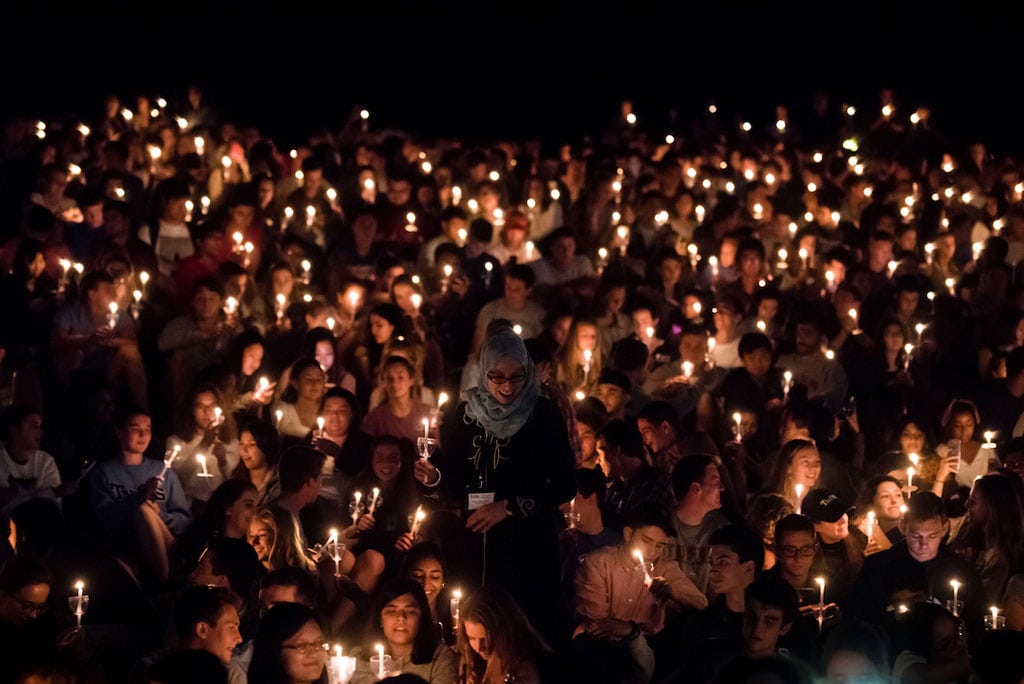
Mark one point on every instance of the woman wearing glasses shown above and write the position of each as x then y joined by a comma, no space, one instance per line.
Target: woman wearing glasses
290,647
507,461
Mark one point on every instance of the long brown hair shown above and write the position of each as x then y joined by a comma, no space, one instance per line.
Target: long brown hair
513,642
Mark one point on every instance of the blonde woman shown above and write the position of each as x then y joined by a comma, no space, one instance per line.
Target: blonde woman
579,361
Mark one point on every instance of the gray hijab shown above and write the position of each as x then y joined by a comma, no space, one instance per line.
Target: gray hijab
481,406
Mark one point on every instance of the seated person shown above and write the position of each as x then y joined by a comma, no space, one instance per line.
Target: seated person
400,620
624,592
206,619
25,471
92,333
140,507
769,613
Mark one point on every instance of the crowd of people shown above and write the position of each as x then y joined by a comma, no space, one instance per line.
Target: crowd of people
726,402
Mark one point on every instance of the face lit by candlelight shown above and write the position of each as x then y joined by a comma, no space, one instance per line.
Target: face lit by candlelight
249,452
506,380
476,634
252,359
386,463
400,620
429,573
805,467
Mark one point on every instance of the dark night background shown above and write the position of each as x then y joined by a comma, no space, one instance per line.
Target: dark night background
548,70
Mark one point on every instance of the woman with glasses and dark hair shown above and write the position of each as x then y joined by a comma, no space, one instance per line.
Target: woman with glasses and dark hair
290,647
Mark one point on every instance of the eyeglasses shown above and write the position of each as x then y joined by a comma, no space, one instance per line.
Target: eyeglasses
801,551
501,379
29,607
308,648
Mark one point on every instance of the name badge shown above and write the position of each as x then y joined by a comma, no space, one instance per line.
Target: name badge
478,499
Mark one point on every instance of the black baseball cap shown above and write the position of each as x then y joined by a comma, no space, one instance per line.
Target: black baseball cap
822,505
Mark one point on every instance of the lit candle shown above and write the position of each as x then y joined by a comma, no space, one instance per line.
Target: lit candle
417,519
650,334
380,660
169,460
442,399
853,314
374,499
112,316
799,496
529,250
870,525
995,617
230,306
453,605
280,300
687,369
738,420
278,415
956,594
307,266
638,554
989,444
820,581
587,355
202,464
572,513
787,385
357,497
910,480
803,258
417,301
79,603
426,428
320,425
914,458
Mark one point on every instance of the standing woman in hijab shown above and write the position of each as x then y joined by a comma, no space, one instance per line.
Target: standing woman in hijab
507,459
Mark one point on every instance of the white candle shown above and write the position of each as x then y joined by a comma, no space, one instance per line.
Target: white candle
278,415
380,660
787,385
442,399
373,499
799,496
910,480
572,513
453,605
169,460
320,424
989,436
357,497
737,418
79,602
995,615
870,525
956,594
202,463
417,519
638,554
687,369
820,581
426,428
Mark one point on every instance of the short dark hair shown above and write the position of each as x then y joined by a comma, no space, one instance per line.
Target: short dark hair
591,481
792,523
688,471
658,412
290,576
299,465
481,230
925,506
750,244
649,514
236,560
198,604
775,592
211,283
92,280
625,436
523,273
753,341
743,541
629,354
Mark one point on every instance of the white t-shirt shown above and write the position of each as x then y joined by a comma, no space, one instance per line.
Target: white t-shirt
33,479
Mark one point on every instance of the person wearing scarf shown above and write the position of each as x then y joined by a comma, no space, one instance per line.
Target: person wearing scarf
507,460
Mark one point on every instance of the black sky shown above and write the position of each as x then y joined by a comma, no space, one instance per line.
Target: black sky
549,70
